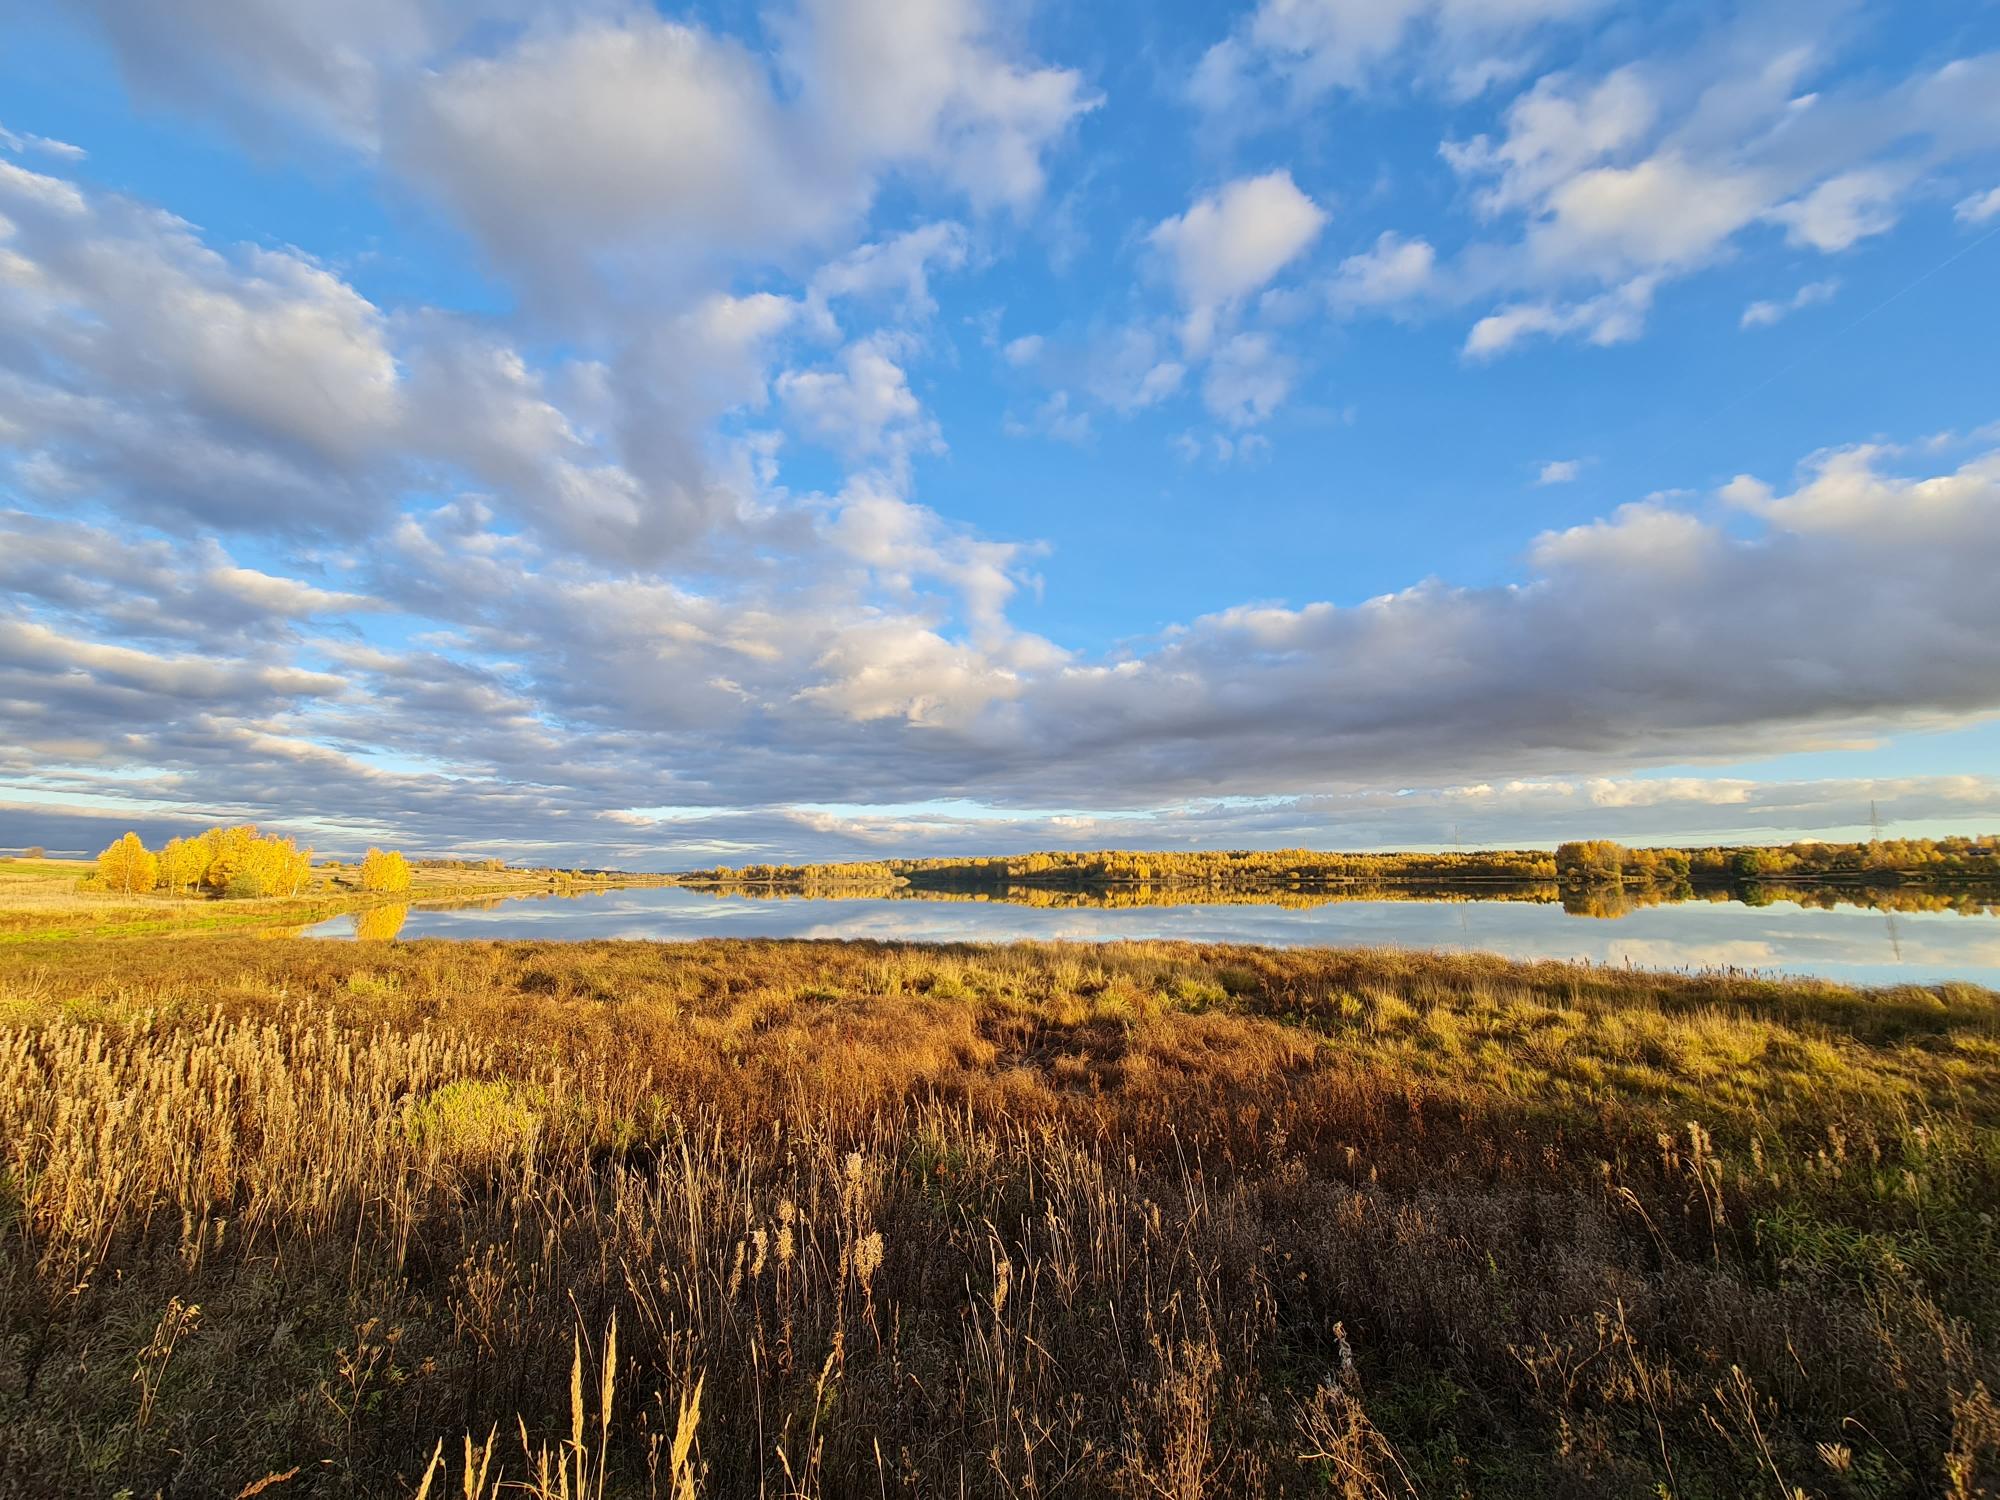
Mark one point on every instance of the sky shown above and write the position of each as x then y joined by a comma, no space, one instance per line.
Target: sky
659,436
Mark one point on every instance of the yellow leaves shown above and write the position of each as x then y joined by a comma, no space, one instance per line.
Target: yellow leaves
184,864
128,867
385,870
236,861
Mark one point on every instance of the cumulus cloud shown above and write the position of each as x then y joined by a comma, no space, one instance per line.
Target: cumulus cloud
253,389
897,269
1556,129
1843,209
1560,471
615,145
639,150
1231,243
1600,189
601,149
1393,270
862,406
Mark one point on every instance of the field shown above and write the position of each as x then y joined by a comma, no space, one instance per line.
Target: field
792,1219
43,899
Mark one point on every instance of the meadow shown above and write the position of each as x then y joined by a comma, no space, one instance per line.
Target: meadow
846,1219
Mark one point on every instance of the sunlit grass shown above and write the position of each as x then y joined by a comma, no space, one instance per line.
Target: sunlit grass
1142,1219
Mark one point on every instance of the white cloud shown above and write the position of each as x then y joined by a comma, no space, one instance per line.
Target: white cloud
141,363
1233,242
1980,207
1393,270
255,390
1614,317
607,572
1555,130
862,407
899,267
1841,210
890,81
1662,212
642,149
1305,48
1665,167
12,141
1024,350
612,146
1560,471
1764,314
1247,380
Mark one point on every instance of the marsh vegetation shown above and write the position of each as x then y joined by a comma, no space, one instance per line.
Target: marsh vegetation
1145,1220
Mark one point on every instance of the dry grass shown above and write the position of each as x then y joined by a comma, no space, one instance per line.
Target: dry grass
793,1219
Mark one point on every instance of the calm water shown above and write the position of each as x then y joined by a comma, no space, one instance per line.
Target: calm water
1854,943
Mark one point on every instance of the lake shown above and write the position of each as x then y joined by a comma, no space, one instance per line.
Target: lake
1857,943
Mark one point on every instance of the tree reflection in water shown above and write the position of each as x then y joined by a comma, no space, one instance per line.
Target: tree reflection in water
380,924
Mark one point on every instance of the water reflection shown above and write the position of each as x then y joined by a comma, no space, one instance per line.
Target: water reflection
1920,936
381,924
1579,900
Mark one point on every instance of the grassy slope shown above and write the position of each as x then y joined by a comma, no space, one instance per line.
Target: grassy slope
1144,1219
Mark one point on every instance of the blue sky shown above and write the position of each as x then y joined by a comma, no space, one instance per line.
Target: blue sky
659,435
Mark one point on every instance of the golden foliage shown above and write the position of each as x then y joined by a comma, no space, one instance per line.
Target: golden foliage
236,861
386,871
1282,869
128,867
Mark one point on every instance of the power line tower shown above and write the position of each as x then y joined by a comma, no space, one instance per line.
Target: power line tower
1874,822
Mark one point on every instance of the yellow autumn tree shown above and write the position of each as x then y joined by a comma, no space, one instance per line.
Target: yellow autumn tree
1591,860
294,868
228,859
183,863
277,866
385,870
128,867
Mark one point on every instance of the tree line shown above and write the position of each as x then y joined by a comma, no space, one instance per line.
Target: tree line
1955,858
234,862
1231,868
1590,861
